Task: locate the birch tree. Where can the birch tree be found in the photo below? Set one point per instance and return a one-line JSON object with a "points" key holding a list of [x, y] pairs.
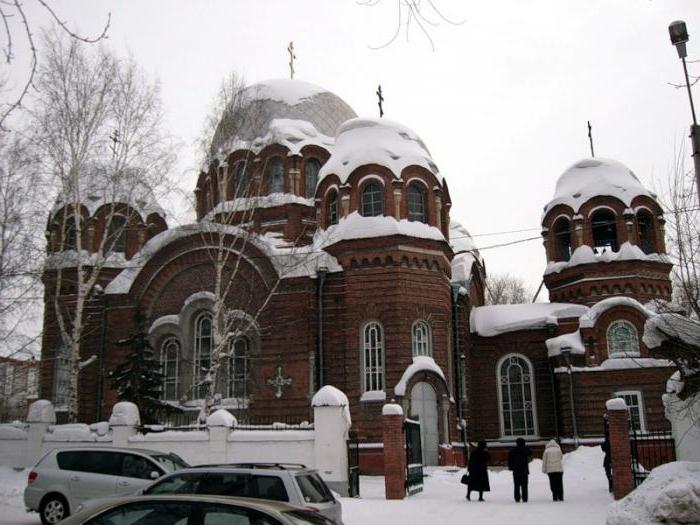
{"points": [[98, 126]]}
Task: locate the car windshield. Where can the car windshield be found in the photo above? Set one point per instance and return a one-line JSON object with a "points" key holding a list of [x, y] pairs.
{"points": [[171, 462], [314, 489], [305, 517]]}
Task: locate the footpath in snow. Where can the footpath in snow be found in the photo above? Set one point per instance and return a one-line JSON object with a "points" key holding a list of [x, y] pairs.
{"points": [[585, 502]]}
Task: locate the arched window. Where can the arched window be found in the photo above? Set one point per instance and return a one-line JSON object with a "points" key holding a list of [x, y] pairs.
{"points": [[517, 396], [70, 235], [373, 357], [170, 368], [238, 369], [372, 200], [421, 339], [623, 340], [242, 179], [645, 228], [562, 239], [202, 352], [417, 203], [116, 238], [332, 216], [313, 166], [604, 230], [275, 175]]}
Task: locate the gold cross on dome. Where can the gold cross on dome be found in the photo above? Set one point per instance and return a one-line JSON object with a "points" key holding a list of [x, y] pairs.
{"points": [[292, 56], [279, 382], [381, 99]]}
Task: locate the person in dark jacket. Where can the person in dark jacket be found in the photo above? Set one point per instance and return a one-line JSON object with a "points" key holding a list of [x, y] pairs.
{"points": [[518, 460], [607, 464], [479, 472]]}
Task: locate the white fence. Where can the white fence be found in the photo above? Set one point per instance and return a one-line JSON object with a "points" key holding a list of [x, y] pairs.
{"points": [[324, 447]]}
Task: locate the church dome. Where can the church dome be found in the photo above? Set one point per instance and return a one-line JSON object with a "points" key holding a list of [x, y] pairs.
{"points": [[269, 111], [593, 177]]}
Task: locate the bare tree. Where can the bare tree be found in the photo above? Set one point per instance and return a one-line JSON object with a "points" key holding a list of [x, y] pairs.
{"points": [[97, 122], [506, 289]]}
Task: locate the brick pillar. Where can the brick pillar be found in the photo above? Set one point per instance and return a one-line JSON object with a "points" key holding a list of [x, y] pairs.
{"points": [[620, 451], [394, 452]]}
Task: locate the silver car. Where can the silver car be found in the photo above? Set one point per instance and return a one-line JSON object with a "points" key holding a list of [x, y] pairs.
{"points": [[64, 478], [183, 509], [290, 483]]}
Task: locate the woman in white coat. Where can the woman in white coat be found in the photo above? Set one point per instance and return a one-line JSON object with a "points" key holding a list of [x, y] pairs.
{"points": [[553, 466]]}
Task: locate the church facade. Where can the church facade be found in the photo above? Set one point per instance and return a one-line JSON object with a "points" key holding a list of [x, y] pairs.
{"points": [[325, 242]]}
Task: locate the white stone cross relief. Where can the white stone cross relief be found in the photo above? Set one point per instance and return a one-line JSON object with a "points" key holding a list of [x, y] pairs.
{"points": [[279, 382]]}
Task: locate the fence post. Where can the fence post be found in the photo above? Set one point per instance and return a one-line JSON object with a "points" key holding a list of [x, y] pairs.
{"points": [[123, 422], [41, 415], [620, 451], [331, 426], [219, 424], [394, 452]]}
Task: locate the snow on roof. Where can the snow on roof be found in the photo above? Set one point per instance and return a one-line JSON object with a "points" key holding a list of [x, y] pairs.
{"points": [[70, 258], [288, 261], [41, 411], [591, 177], [263, 201], [675, 384], [465, 251], [221, 418], [617, 403], [584, 254], [355, 226], [392, 409], [164, 321], [361, 141], [99, 186], [589, 319], [572, 340], [661, 327], [421, 363], [668, 495], [620, 363], [489, 321], [329, 396], [291, 92]]}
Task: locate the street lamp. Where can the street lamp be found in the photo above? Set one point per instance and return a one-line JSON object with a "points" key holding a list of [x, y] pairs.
{"points": [[566, 352], [679, 36]]}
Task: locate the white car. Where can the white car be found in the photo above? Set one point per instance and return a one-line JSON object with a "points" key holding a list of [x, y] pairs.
{"points": [[64, 478]]}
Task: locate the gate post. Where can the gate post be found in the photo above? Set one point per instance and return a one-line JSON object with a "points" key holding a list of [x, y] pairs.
{"points": [[620, 451], [394, 452]]}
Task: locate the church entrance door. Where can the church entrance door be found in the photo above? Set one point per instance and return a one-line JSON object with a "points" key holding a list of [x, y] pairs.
{"points": [[424, 409]]}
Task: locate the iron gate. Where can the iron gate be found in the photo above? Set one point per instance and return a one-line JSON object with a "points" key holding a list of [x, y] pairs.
{"points": [[650, 448], [353, 465], [414, 457]]}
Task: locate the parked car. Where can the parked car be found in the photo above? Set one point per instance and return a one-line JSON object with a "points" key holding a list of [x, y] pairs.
{"points": [[290, 483], [64, 478], [184, 509]]}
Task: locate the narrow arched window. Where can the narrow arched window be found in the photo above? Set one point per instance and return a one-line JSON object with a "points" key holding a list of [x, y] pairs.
{"points": [[373, 356], [604, 230], [421, 339], [562, 239], [313, 166], [70, 235], [517, 396], [170, 368], [116, 237], [202, 353], [238, 369], [332, 215], [623, 339], [645, 229], [242, 179], [275, 175], [417, 203], [372, 200]]}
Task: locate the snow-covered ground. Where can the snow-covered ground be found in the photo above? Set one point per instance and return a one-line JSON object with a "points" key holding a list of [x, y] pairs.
{"points": [[442, 501]]}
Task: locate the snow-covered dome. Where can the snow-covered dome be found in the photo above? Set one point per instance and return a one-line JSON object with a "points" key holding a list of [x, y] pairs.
{"points": [[380, 141], [593, 177], [279, 111]]}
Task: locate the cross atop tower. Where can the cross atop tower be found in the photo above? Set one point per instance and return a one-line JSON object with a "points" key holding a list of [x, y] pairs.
{"points": [[590, 137], [292, 56], [381, 99]]}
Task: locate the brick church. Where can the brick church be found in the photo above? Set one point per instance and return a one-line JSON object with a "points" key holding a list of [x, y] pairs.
{"points": [[349, 272]]}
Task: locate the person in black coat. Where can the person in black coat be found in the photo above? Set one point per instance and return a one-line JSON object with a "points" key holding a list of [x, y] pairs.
{"points": [[479, 472], [518, 460], [607, 464]]}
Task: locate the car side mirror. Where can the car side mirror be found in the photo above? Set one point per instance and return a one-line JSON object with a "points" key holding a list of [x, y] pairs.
{"points": [[155, 475]]}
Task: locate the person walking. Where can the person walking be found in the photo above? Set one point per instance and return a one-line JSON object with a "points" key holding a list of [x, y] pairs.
{"points": [[607, 463], [553, 466], [518, 460], [479, 472]]}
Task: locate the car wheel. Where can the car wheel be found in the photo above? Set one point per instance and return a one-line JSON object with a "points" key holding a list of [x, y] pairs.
{"points": [[53, 509]]}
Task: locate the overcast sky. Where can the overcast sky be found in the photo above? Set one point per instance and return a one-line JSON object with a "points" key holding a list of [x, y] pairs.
{"points": [[502, 102]]}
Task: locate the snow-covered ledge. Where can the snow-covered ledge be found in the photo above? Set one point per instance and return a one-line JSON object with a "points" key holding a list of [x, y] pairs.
{"points": [[421, 363]]}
